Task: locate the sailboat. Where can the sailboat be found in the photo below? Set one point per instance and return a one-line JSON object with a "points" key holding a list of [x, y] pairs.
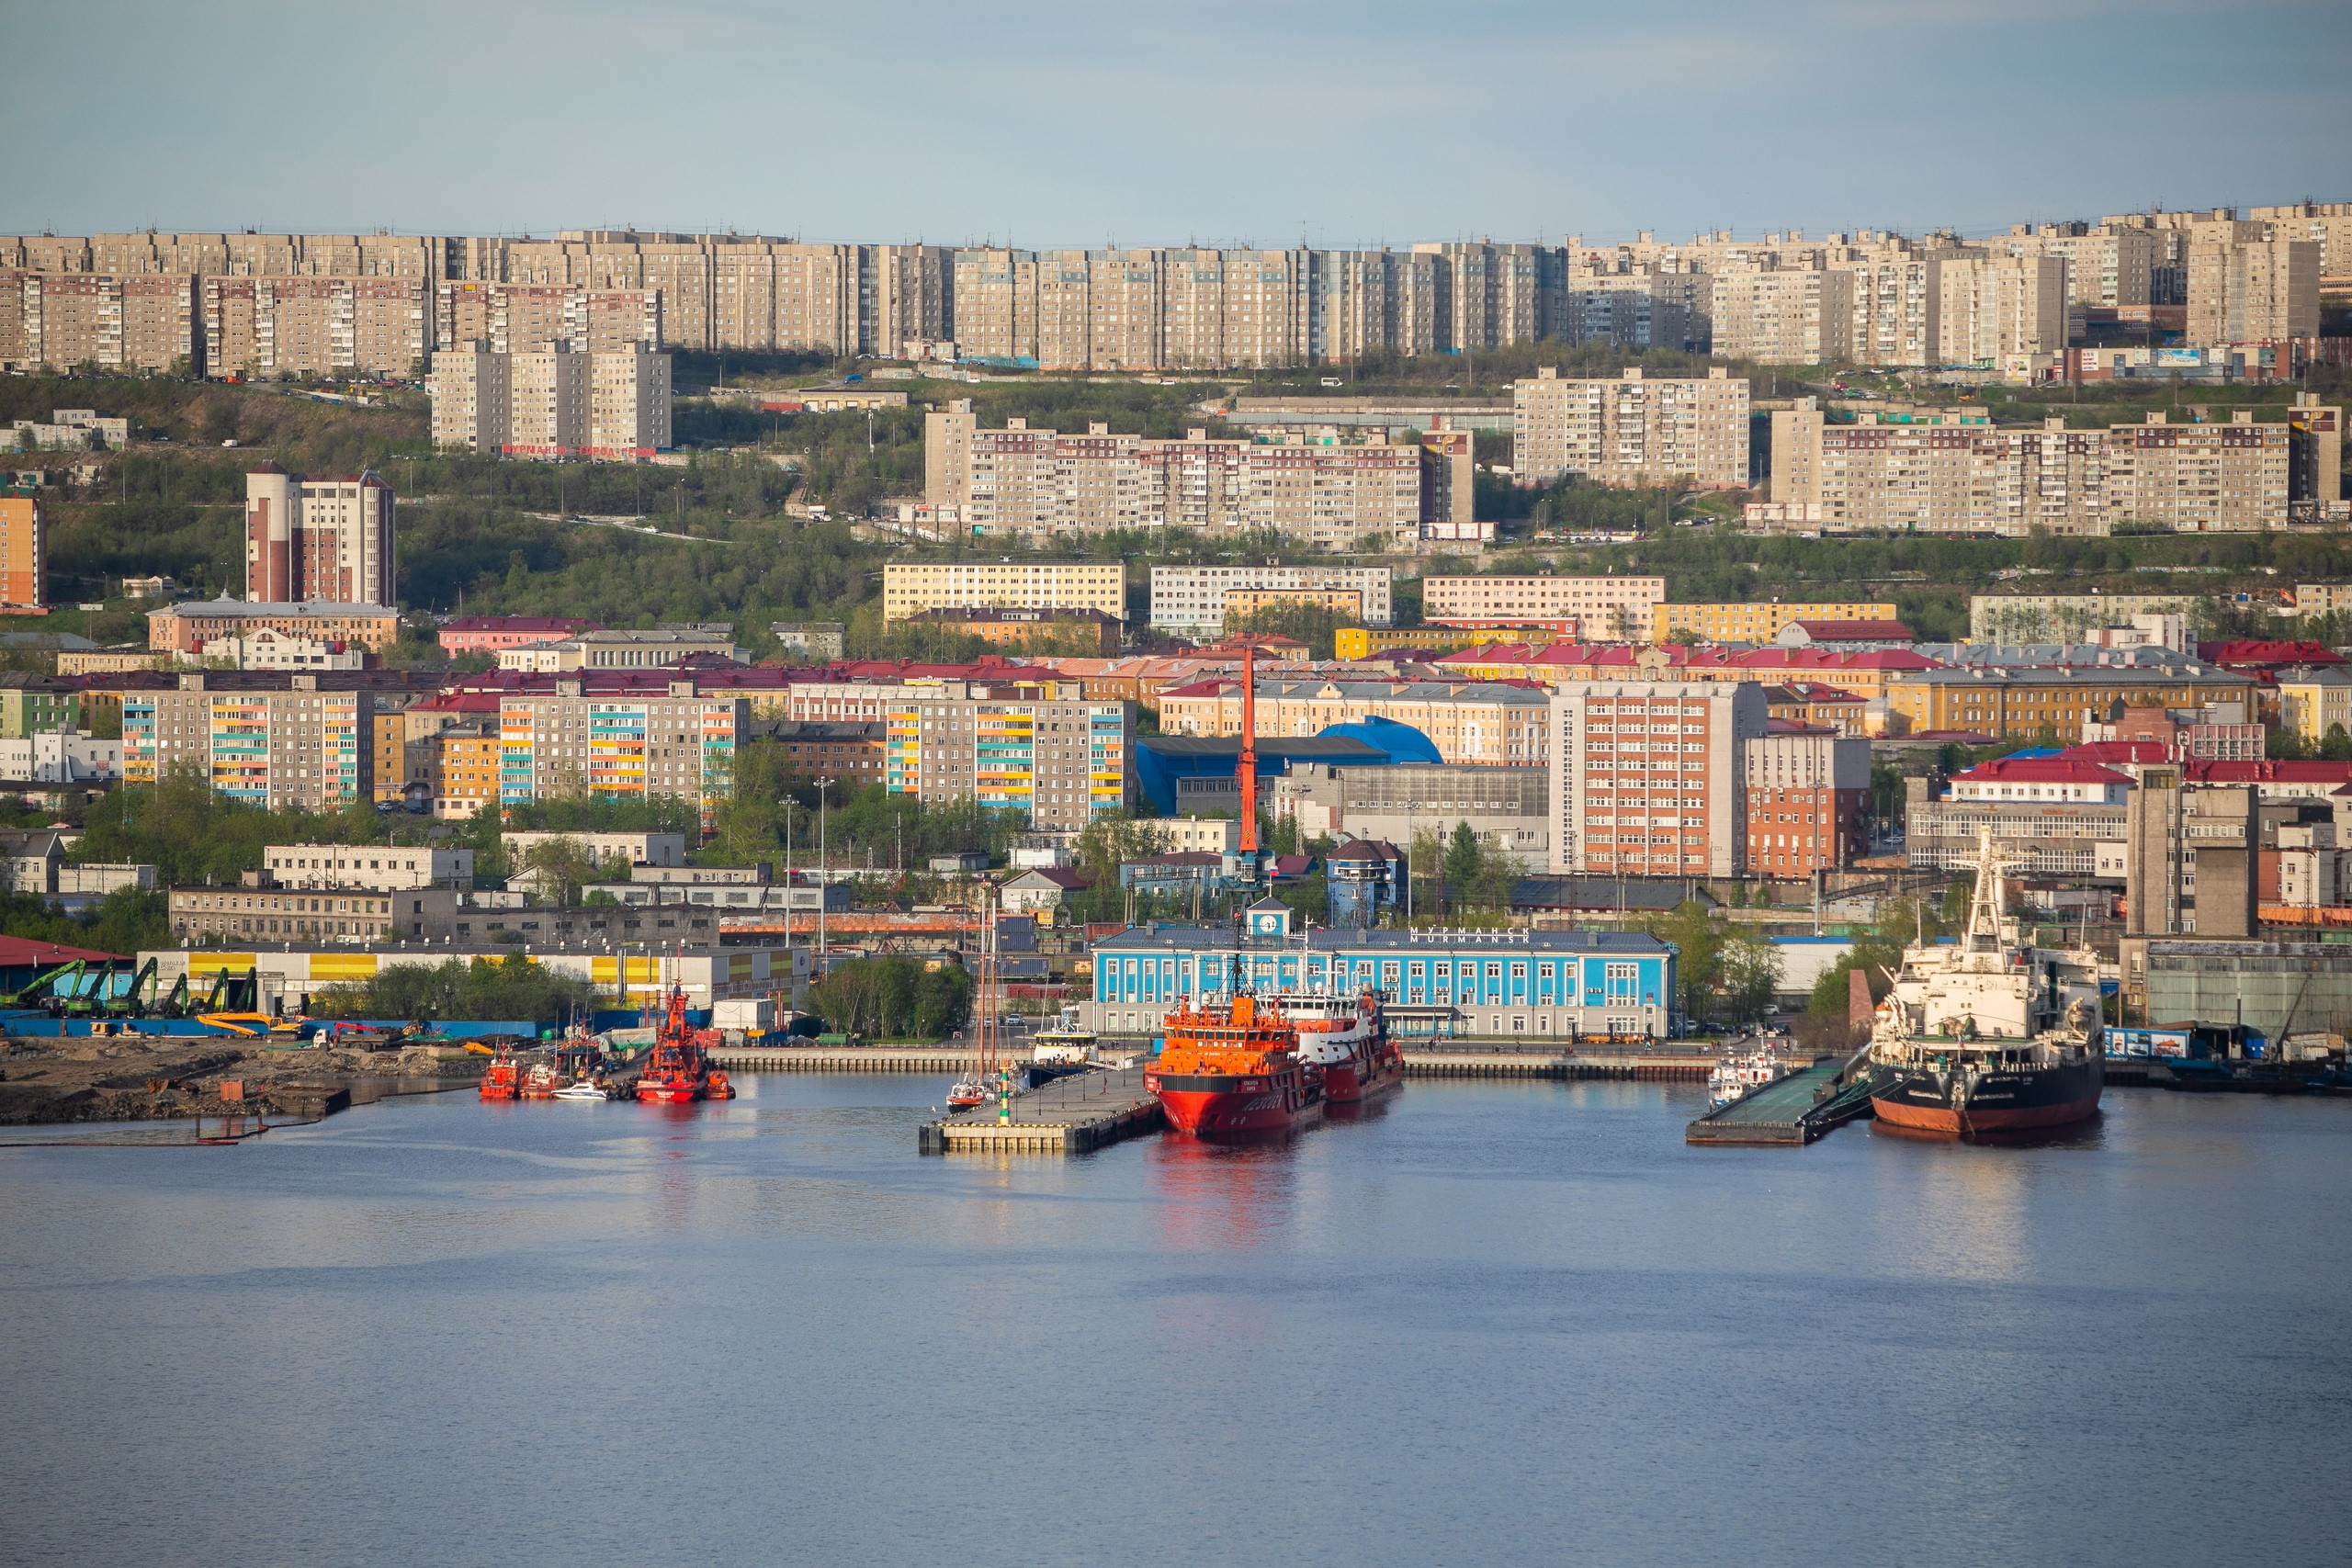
{"points": [[972, 1089]]}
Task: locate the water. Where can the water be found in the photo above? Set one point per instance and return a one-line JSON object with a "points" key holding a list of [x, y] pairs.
{"points": [[1511, 1322]]}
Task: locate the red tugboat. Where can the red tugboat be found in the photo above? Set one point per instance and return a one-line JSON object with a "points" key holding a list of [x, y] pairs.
{"points": [[1346, 1039], [503, 1077], [678, 1069], [1233, 1069]]}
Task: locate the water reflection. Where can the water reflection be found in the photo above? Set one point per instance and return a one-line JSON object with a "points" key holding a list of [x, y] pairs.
{"points": [[1224, 1196]]}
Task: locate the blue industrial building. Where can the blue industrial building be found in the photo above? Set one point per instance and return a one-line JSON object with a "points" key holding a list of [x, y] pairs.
{"points": [[1163, 762], [1516, 984]]}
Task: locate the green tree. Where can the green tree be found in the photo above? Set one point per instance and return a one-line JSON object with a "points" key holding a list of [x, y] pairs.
{"points": [[1465, 858], [1699, 945], [1750, 978], [485, 989], [2335, 746]]}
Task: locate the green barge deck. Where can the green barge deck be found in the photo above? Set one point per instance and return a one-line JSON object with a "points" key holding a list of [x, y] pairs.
{"points": [[1803, 1106]]}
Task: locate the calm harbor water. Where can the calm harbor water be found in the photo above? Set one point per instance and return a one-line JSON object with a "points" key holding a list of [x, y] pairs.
{"points": [[1499, 1322]]}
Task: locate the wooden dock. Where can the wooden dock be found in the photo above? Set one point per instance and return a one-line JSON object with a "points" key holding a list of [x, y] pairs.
{"points": [[1803, 1106], [1070, 1115]]}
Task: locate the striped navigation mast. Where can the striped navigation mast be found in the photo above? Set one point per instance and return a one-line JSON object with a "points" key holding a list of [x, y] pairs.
{"points": [[1248, 767]]}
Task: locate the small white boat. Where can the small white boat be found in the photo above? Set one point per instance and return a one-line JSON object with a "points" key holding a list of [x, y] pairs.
{"points": [[582, 1090], [1737, 1077]]}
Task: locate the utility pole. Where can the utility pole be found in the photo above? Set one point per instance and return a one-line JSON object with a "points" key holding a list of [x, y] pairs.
{"points": [[822, 885]]}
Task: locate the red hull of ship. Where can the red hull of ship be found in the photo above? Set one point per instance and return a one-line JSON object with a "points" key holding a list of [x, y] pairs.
{"points": [[1929, 1119], [1221, 1114], [668, 1092], [1354, 1081]]}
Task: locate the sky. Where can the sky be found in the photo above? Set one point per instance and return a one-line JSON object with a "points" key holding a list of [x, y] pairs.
{"points": [[1208, 122]]}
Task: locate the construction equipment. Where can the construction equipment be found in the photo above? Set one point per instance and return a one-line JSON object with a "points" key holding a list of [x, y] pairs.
{"points": [[42, 992]]}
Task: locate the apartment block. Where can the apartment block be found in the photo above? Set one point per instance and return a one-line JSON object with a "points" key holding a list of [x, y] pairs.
{"points": [[329, 538], [552, 401], [1648, 778], [513, 318], [2192, 856], [2252, 290], [1468, 721], [2200, 477], [1192, 600], [60, 320], [1991, 307], [912, 586], [1036, 747], [1806, 800], [461, 766], [1612, 608], [24, 554], [472, 394], [2327, 224], [314, 326], [291, 748], [1036, 484], [1897, 300], [1756, 621], [1777, 316], [2028, 701], [676, 744], [188, 629], [1633, 430], [2108, 266]]}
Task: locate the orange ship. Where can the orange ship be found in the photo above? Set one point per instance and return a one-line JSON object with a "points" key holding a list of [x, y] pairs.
{"points": [[503, 1077], [678, 1069], [1233, 1069]]}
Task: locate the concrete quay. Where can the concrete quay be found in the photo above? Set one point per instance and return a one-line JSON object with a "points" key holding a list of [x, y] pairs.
{"points": [[1072, 1115], [850, 1058], [1510, 1059]]}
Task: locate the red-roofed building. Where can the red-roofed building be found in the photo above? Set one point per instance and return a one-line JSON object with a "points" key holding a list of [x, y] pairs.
{"points": [[1854, 637], [23, 960], [1807, 799], [488, 634], [2126, 757], [2061, 816], [2274, 781], [2254, 656]]}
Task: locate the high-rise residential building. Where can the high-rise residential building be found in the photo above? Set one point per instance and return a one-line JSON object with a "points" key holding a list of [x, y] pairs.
{"points": [[2252, 290], [1313, 486], [1784, 316], [279, 747], [472, 395], [1951, 469], [2108, 266], [677, 743], [314, 326], [1648, 778], [1192, 600], [2191, 857], [1631, 430], [1038, 747], [60, 320], [24, 554], [1612, 608], [1806, 801], [516, 317], [328, 539], [908, 587], [2327, 224], [1993, 307], [552, 402]]}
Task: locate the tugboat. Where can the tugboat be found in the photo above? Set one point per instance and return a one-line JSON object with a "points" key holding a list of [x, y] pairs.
{"points": [[1989, 1034], [1060, 1052], [541, 1081], [502, 1078], [1346, 1038], [1233, 1069], [678, 1071]]}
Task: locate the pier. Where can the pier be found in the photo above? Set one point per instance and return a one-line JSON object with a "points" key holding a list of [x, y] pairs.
{"points": [[1800, 1108], [1070, 1115], [1508, 1059], [952, 1058]]}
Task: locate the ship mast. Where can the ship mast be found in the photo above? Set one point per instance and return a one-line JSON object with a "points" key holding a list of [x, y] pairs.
{"points": [[1985, 910], [1249, 766]]}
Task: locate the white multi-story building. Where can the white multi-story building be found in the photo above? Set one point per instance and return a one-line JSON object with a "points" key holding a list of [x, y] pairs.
{"points": [[374, 866], [1611, 608], [1191, 599], [1647, 776]]}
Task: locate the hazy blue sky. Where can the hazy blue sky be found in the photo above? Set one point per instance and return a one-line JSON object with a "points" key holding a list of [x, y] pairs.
{"points": [[1213, 121]]}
